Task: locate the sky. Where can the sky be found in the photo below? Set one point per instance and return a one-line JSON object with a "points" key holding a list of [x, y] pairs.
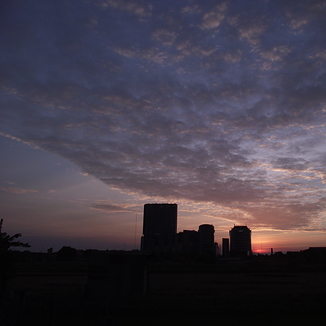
{"points": [[218, 106]]}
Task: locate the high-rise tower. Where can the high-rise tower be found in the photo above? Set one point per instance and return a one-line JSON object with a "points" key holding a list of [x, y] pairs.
{"points": [[225, 247], [159, 227], [206, 239], [240, 241]]}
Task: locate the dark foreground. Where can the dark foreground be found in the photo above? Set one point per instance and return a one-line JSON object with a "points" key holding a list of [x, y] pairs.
{"points": [[54, 294]]}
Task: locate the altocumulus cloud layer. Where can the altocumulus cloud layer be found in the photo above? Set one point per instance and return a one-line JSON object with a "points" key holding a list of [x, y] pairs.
{"points": [[220, 102]]}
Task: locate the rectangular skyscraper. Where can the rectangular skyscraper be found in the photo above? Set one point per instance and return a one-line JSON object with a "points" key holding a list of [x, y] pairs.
{"points": [[240, 241], [225, 247], [206, 239], [159, 227]]}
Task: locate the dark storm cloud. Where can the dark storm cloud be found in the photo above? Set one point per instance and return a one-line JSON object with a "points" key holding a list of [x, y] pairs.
{"points": [[218, 101]]}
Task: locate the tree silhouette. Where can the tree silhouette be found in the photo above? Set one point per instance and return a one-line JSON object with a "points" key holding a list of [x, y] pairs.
{"points": [[7, 241], [7, 258]]}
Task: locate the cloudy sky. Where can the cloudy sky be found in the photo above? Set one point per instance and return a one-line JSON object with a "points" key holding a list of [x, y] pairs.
{"points": [[218, 106]]}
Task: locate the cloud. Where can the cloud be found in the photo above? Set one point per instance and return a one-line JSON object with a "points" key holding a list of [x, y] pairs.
{"points": [[133, 7], [221, 104], [19, 191], [289, 163], [213, 18], [105, 206]]}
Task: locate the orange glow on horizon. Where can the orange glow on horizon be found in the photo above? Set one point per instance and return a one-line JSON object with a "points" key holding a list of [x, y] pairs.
{"points": [[261, 251]]}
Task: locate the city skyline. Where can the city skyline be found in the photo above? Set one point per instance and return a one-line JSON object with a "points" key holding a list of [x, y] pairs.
{"points": [[218, 106]]}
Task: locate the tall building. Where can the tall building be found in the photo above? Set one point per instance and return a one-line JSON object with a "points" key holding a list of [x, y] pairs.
{"points": [[187, 242], [240, 241], [159, 227], [225, 247], [194, 243], [206, 239]]}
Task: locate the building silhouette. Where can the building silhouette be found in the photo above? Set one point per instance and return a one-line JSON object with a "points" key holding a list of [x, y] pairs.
{"points": [[159, 228], [187, 242], [225, 247], [206, 239], [240, 241], [160, 233], [194, 243]]}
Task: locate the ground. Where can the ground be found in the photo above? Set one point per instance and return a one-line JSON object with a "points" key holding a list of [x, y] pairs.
{"points": [[54, 294]]}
